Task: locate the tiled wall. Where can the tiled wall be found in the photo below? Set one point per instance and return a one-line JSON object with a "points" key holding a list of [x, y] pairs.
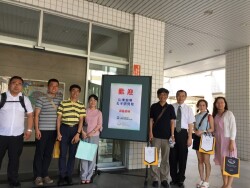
{"points": [[237, 95], [148, 52], [147, 46]]}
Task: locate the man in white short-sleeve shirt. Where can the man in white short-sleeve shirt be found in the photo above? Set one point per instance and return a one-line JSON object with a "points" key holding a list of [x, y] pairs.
{"points": [[12, 131]]}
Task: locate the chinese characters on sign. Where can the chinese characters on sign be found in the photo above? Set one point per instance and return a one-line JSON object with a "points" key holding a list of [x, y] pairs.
{"points": [[125, 106]]}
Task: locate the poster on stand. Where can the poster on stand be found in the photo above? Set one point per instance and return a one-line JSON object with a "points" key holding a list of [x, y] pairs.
{"points": [[125, 104]]}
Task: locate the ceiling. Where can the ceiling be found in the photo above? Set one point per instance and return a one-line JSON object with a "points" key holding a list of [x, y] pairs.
{"points": [[197, 33]]}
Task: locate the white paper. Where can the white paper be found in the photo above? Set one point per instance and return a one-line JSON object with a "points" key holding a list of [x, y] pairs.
{"points": [[207, 142], [150, 154]]}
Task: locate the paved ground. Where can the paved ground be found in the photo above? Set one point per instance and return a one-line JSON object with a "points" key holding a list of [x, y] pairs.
{"points": [[136, 178]]}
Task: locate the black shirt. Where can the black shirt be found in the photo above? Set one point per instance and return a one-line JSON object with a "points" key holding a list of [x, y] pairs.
{"points": [[162, 127]]}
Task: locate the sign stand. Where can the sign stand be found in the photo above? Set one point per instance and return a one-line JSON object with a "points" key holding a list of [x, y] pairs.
{"points": [[125, 104], [98, 172]]}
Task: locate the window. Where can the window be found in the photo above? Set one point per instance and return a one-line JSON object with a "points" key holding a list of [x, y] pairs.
{"points": [[110, 42], [65, 34], [18, 23]]}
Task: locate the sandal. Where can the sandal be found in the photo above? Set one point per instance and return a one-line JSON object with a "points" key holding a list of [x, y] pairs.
{"points": [[205, 185], [198, 185], [87, 181], [83, 182]]}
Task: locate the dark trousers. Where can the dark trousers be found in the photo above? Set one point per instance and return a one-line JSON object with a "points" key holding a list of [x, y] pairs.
{"points": [[43, 153], [14, 145], [178, 156], [66, 167]]}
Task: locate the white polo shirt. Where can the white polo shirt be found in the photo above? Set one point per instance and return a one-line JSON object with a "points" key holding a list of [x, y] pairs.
{"points": [[187, 115], [12, 115]]}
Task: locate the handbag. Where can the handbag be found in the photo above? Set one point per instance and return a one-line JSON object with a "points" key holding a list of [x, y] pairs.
{"points": [[150, 156], [56, 150], [86, 151], [231, 166], [207, 144]]}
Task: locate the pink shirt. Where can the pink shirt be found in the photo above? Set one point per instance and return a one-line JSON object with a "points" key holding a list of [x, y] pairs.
{"points": [[93, 119]]}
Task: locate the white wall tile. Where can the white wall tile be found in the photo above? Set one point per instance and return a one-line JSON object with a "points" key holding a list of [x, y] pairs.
{"points": [[237, 95]]}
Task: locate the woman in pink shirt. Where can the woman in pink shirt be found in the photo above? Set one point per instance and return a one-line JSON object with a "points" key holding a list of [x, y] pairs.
{"points": [[225, 134], [93, 121]]}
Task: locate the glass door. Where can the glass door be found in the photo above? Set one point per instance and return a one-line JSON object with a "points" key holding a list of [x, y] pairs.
{"points": [[111, 153]]}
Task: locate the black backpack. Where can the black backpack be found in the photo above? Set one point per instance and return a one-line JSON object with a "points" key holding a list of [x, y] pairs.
{"points": [[4, 98]]}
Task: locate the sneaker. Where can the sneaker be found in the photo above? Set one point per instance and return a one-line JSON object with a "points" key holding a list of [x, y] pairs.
{"points": [[155, 184], [205, 185], [180, 184], [68, 179], [198, 185], [39, 181], [173, 182], [47, 180], [15, 184], [60, 181], [165, 183]]}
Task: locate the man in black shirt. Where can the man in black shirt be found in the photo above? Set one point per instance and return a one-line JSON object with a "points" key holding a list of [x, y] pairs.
{"points": [[162, 116]]}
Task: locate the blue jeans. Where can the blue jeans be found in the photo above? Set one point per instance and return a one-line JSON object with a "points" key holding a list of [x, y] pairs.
{"points": [[66, 167]]}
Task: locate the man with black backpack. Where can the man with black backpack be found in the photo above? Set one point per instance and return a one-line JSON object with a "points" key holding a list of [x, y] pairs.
{"points": [[13, 107]]}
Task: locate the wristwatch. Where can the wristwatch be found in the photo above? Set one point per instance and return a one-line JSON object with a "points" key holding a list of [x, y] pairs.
{"points": [[29, 130]]}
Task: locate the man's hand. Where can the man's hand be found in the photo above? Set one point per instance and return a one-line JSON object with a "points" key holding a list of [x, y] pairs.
{"points": [[59, 136], [38, 134], [189, 141], [75, 139], [151, 136], [173, 138], [27, 135]]}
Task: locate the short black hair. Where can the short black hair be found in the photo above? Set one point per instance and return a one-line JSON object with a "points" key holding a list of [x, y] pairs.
{"points": [[53, 80], [181, 91], [15, 77], [93, 96], [74, 86], [162, 90]]}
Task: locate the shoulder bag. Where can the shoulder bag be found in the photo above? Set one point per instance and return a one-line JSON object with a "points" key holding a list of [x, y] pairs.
{"points": [[205, 115], [159, 116]]}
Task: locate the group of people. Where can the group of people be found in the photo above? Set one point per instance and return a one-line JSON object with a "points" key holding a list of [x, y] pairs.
{"points": [[176, 122], [54, 119], [68, 121]]}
